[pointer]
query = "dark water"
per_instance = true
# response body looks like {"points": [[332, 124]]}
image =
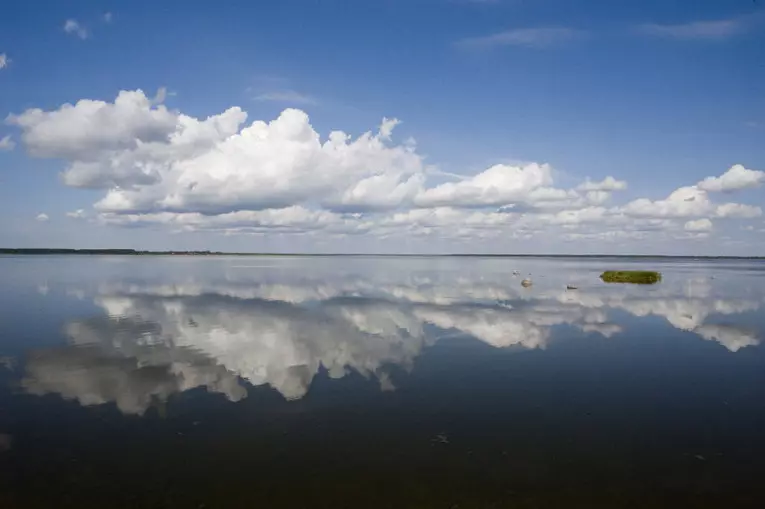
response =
{"points": [[346, 382]]}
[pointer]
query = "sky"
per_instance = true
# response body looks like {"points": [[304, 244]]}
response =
{"points": [[384, 126]]}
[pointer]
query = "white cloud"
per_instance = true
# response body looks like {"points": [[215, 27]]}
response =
{"points": [[276, 165], [293, 219], [607, 184], [737, 177], [698, 225], [499, 185], [598, 193], [160, 96], [42, 217], [684, 202], [108, 17], [158, 166], [72, 26], [77, 214], [585, 215], [88, 130], [696, 30], [738, 210], [689, 202], [387, 126], [7, 144], [537, 38], [446, 222], [4, 61], [286, 96], [597, 197]]}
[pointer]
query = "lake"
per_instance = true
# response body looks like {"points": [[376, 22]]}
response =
{"points": [[226, 382]]}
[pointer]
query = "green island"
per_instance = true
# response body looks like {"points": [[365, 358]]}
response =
{"points": [[639, 277]]}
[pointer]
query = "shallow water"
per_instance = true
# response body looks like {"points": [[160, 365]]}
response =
{"points": [[379, 382]]}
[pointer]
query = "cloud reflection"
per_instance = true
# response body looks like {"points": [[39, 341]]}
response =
{"points": [[157, 340], [126, 361]]}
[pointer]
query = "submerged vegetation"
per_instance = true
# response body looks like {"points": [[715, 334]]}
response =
{"points": [[640, 277]]}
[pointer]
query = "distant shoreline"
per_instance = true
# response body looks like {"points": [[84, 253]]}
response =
{"points": [[135, 252]]}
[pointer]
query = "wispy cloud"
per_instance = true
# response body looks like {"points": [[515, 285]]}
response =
{"points": [[537, 38], [77, 214], [162, 94], [286, 96], [708, 30], [7, 144], [4, 60], [108, 17], [42, 217], [72, 26]]}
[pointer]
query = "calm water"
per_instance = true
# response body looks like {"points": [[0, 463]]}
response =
{"points": [[360, 382]]}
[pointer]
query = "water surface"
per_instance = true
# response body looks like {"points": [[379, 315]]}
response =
{"points": [[379, 382]]}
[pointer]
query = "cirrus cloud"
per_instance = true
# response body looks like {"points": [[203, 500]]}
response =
{"points": [[695, 30], [536, 38]]}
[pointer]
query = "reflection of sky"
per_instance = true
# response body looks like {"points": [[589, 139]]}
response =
{"points": [[280, 327]]}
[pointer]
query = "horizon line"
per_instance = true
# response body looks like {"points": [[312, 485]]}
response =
{"points": [[201, 252]]}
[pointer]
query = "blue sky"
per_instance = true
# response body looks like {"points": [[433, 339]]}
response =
{"points": [[506, 109]]}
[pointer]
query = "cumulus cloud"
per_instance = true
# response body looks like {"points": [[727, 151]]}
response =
{"points": [[42, 217], [698, 225], [598, 193], [4, 61], [738, 210], [585, 215], [7, 144], [688, 202], [499, 185], [154, 159], [683, 202], [88, 130], [73, 27], [226, 173], [737, 177], [293, 219], [607, 184]]}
